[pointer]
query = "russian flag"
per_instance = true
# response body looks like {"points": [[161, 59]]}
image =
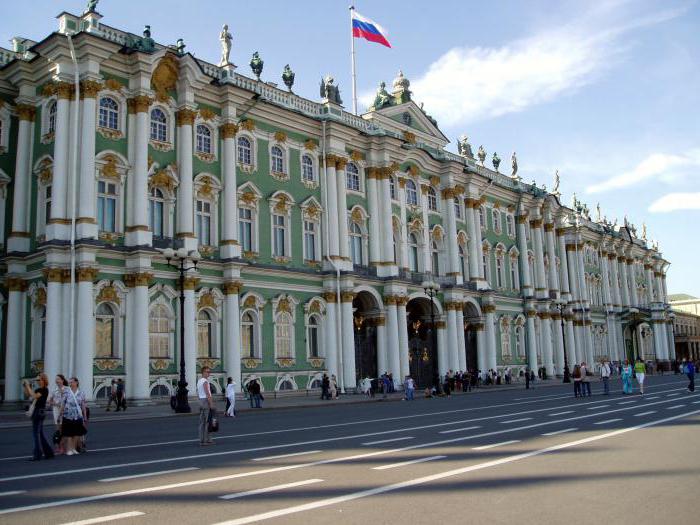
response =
{"points": [[369, 30]]}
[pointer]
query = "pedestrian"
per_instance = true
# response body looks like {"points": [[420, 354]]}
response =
{"points": [[605, 377], [690, 372], [121, 398], [206, 404], [112, 396], [73, 417], [446, 386], [37, 412], [230, 398], [527, 378], [333, 387], [626, 374], [56, 402], [639, 371], [325, 387], [254, 393], [410, 388], [577, 381], [585, 381]]}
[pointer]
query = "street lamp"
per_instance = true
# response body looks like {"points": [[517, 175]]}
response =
{"points": [[567, 375], [431, 288], [179, 259]]}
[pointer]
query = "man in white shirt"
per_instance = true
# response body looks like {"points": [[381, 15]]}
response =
{"points": [[206, 403], [605, 376], [231, 398]]}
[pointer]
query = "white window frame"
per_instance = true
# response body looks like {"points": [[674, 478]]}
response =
{"points": [[411, 191], [253, 228], [514, 269], [459, 214], [510, 225], [481, 215], [313, 181], [120, 112], [496, 221], [207, 192], [47, 134], [253, 165], [204, 156], [319, 336], [349, 174], [432, 200], [253, 205], [116, 197], [114, 353], [284, 174], [316, 225], [287, 214], [163, 304], [256, 320]]}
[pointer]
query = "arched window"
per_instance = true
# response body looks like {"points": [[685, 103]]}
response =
{"points": [[204, 334], [47, 191], [432, 199], [156, 202], [499, 270], [203, 139], [458, 208], [39, 333], [283, 335], [104, 331], [277, 159], [158, 332], [312, 336], [356, 244], [496, 216], [510, 226], [203, 216], [352, 177], [463, 263], [53, 108], [307, 168], [505, 337], [435, 258], [249, 347], [412, 252], [411, 193], [109, 113], [519, 340], [514, 274], [106, 206], [159, 125], [392, 187], [244, 151]]}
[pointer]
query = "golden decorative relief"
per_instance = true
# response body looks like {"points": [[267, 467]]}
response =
{"points": [[48, 89], [329, 297], [64, 90], [251, 362], [108, 294], [490, 308], [185, 117], [280, 136], [165, 75], [356, 155], [162, 179], [250, 255], [309, 145], [109, 169], [281, 259], [228, 130], [89, 88], [48, 138], [316, 362], [205, 157], [340, 163], [160, 146], [279, 175], [413, 170], [285, 362], [435, 180], [207, 114], [160, 364], [53, 275], [248, 125], [107, 364], [46, 171], [15, 284], [111, 134], [437, 234], [249, 197], [356, 216], [25, 112], [37, 366], [40, 297], [250, 302], [87, 274], [208, 362], [347, 297], [315, 307], [191, 283], [409, 137], [284, 305], [139, 104], [113, 85], [282, 204], [313, 212], [205, 189], [206, 301], [232, 287]]}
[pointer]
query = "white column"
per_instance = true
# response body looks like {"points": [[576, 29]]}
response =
{"points": [[573, 274], [552, 256], [626, 297], [527, 286], [451, 350], [541, 280], [427, 238], [474, 240], [59, 183], [14, 342], [633, 282], [531, 341], [138, 232], [564, 268], [490, 328], [87, 218], [461, 344], [375, 229], [388, 230], [581, 272], [664, 295], [330, 331], [229, 242], [190, 338], [443, 363], [332, 205], [139, 337], [607, 296], [85, 330], [671, 345], [185, 195], [481, 348], [67, 345], [232, 350], [343, 242], [660, 340], [547, 350], [393, 337], [615, 289], [350, 381], [53, 335], [558, 344], [450, 222], [382, 357], [403, 336], [649, 274], [571, 350], [18, 239]]}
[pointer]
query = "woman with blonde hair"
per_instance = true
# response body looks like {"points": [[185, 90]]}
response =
{"points": [[37, 412]]}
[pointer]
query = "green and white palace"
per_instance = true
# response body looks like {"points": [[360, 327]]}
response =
{"points": [[329, 242]]}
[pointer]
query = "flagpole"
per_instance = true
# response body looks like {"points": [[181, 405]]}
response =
{"points": [[352, 56]]}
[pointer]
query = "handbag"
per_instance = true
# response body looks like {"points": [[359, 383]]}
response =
{"points": [[213, 423], [30, 410], [57, 436]]}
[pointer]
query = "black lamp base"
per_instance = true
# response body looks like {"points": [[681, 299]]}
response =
{"points": [[182, 405]]}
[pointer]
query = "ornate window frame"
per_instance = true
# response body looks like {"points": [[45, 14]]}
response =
{"points": [[163, 301], [166, 181], [248, 198], [315, 308], [312, 183], [510, 225], [311, 212], [432, 201], [210, 300], [211, 156], [284, 308], [109, 133], [253, 166], [496, 220], [358, 216], [360, 178], [207, 188], [486, 262], [514, 256], [114, 293], [413, 190], [43, 171], [48, 134], [168, 143], [281, 204], [253, 304], [111, 167], [500, 266], [284, 174]]}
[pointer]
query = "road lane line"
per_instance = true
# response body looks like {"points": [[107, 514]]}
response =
{"points": [[653, 397], [12, 492], [104, 519], [673, 394], [460, 429], [562, 413], [148, 474], [645, 413], [557, 432], [274, 488], [515, 420], [674, 407], [411, 462], [696, 402], [368, 443], [494, 445], [606, 421], [628, 402], [288, 455], [596, 408], [435, 477]]}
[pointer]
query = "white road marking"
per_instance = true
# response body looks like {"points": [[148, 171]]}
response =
{"points": [[605, 422], [411, 462], [516, 420], [494, 445], [543, 398], [628, 402], [673, 394], [557, 432], [148, 474], [104, 519], [287, 455], [368, 443], [460, 429], [435, 477], [274, 488], [674, 407], [645, 413], [561, 413], [12, 492], [653, 397], [696, 402], [596, 408]]}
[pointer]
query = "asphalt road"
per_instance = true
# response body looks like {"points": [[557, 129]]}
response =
{"points": [[525, 456]]}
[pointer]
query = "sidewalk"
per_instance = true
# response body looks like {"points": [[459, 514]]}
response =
{"points": [[161, 408]]}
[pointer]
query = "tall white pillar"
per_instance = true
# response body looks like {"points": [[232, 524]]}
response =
{"points": [[85, 330], [185, 192], [452, 340], [528, 287], [664, 296], [541, 290], [490, 329], [553, 277], [614, 277], [190, 336], [53, 354], [481, 347], [56, 227], [605, 269], [140, 362], [332, 205], [18, 239], [558, 343], [330, 331], [626, 296], [461, 343], [547, 350], [571, 350], [393, 337], [671, 345], [138, 232], [564, 266], [343, 239], [573, 274], [232, 350], [443, 362], [581, 272], [474, 240], [649, 275], [86, 227], [531, 341], [229, 232], [14, 342], [634, 296], [660, 339], [450, 222], [382, 357], [376, 231], [403, 336], [349, 371], [385, 205]]}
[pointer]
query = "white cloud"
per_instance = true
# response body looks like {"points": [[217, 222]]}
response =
{"points": [[676, 202], [472, 83], [659, 166]]}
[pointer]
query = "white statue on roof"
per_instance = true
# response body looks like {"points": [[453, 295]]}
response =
{"points": [[226, 40]]}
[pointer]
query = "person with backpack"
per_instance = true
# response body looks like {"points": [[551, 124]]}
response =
{"points": [[689, 369]]}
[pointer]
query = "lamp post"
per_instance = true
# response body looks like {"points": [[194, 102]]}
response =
{"points": [[179, 259], [431, 288], [567, 375]]}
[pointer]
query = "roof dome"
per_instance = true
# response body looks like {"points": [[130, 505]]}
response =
{"points": [[401, 82]]}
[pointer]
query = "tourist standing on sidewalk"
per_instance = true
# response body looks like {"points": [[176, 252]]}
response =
{"points": [[605, 376], [410, 388], [527, 378], [639, 371], [56, 403], [39, 397], [73, 417], [206, 403], [112, 396], [577, 381], [585, 381], [334, 387], [325, 387], [254, 393], [230, 398], [626, 374]]}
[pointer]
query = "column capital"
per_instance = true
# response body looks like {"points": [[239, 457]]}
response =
{"points": [[457, 305], [347, 296], [228, 130], [449, 193], [379, 321], [329, 297], [440, 325], [391, 300], [16, 284], [401, 300], [536, 223], [53, 275], [340, 163], [549, 226], [191, 283], [137, 279], [89, 88], [25, 112], [488, 308], [521, 219], [139, 104], [64, 90], [86, 274], [232, 287]]}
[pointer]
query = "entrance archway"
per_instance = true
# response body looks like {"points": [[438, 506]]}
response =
{"points": [[365, 313], [422, 342], [472, 323]]}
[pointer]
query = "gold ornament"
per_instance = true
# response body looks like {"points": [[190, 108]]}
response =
{"points": [[207, 114], [280, 136], [165, 76]]}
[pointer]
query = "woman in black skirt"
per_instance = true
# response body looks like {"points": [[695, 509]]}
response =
{"points": [[74, 417]]}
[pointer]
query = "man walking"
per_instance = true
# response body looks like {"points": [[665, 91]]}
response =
{"points": [[689, 370], [585, 381], [527, 378], [205, 405], [113, 395], [605, 376], [121, 402]]}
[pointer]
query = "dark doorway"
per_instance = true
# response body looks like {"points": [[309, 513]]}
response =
{"points": [[472, 323], [365, 312], [422, 342]]}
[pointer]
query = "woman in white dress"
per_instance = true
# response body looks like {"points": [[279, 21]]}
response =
{"points": [[231, 398]]}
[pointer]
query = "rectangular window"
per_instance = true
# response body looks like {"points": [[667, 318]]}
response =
{"points": [[245, 229], [310, 240], [106, 206], [155, 213], [279, 236], [47, 204], [204, 222]]}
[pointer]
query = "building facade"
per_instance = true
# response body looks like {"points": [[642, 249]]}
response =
{"points": [[686, 333], [351, 245]]}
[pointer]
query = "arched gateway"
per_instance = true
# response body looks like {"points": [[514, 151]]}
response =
{"points": [[472, 324], [366, 315], [421, 323]]}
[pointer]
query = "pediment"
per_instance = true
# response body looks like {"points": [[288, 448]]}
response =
{"points": [[409, 117]]}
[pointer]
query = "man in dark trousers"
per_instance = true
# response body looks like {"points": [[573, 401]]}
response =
{"points": [[121, 402], [325, 387], [527, 378]]}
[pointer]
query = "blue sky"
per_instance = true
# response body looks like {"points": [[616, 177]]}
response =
{"points": [[605, 92]]}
